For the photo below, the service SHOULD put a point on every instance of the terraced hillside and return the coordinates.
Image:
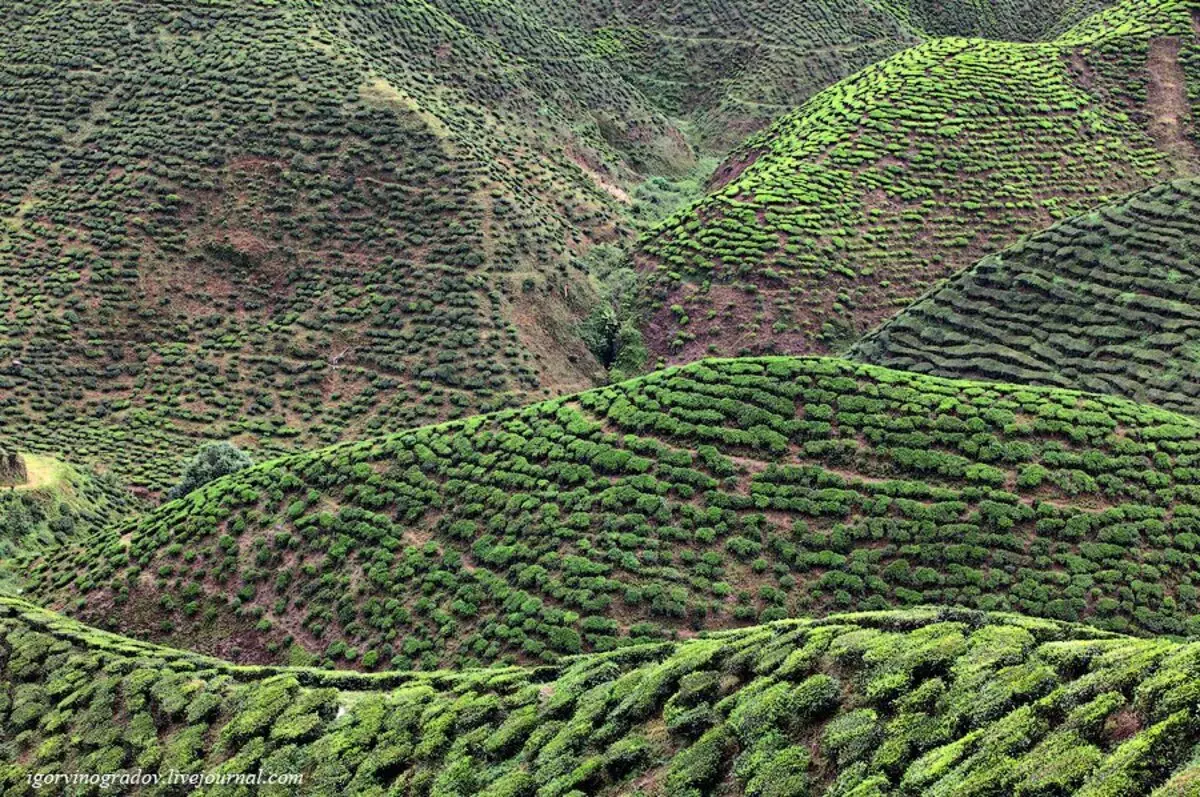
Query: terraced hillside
(919, 702)
(1104, 302)
(728, 68)
(720, 494)
(291, 222)
(294, 223)
(843, 212)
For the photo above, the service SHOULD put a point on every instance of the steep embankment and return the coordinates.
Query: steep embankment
(719, 494)
(843, 212)
(920, 702)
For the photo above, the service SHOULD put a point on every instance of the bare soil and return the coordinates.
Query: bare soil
(1167, 100)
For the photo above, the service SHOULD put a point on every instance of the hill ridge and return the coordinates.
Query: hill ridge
(704, 496)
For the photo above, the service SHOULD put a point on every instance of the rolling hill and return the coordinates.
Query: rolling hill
(930, 702)
(719, 494)
(1102, 302)
(293, 223)
(843, 212)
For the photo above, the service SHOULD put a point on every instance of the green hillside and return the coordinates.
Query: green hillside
(727, 68)
(54, 504)
(293, 223)
(517, 398)
(1009, 20)
(921, 702)
(719, 494)
(1102, 302)
(843, 212)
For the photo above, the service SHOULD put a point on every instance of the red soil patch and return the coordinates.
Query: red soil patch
(1167, 100)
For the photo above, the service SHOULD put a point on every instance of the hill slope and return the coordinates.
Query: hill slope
(1102, 302)
(58, 503)
(292, 223)
(727, 68)
(844, 211)
(919, 702)
(718, 494)
(281, 220)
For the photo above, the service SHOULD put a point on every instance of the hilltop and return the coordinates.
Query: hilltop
(719, 494)
(843, 212)
(918, 702)
(1104, 302)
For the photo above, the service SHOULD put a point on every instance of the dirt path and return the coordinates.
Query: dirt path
(1167, 101)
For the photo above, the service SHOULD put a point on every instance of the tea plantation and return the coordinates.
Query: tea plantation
(293, 223)
(843, 212)
(1104, 302)
(918, 702)
(719, 494)
(270, 221)
(705, 398)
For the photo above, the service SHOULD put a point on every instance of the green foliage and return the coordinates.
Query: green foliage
(1100, 302)
(211, 462)
(712, 496)
(73, 698)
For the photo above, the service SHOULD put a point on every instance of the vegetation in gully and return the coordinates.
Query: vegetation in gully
(714, 398)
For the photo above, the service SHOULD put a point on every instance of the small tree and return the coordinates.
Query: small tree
(212, 461)
(12, 468)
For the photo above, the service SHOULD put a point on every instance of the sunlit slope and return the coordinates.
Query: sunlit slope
(843, 212)
(56, 504)
(1104, 301)
(916, 702)
(720, 494)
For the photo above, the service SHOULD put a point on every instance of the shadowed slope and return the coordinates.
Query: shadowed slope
(1105, 302)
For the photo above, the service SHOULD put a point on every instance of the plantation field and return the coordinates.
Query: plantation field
(841, 213)
(1102, 302)
(720, 494)
(925, 701)
(706, 398)
(290, 224)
